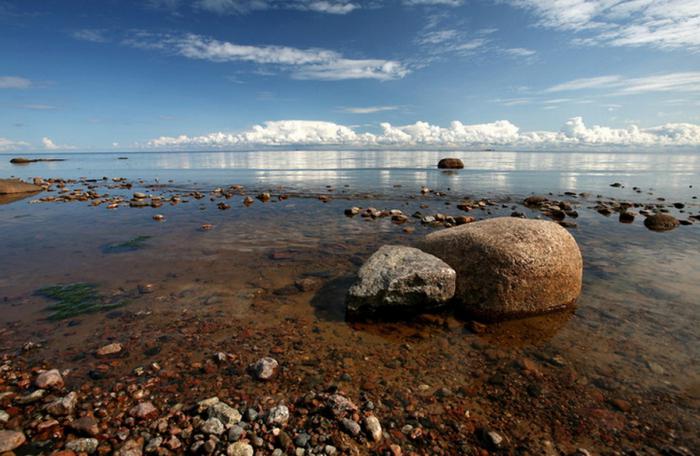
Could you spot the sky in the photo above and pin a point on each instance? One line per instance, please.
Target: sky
(94, 75)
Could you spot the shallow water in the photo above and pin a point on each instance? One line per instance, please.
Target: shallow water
(634, 334)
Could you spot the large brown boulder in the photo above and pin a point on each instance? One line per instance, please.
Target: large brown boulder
(510, 267)
(10, 186)
(661, 222)
(450, 163)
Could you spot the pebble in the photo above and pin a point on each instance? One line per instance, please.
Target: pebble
(9, 440)
(153, 444)
(83, 445)
(86, 425)
(130, 448)
(144, 410)
(212, 426)
(265, 368)
(278, 415)
(330, 450)
(655, 368)
(239, 449)
(159, 218)
(302, 439)
(350, 426)
(224, 413)
(235, 433)
(111, 349)
(373, 428)
(4, 416)
(49, 379)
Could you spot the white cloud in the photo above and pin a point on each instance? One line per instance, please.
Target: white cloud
(369, 109)
(520, 52)
(48, 144)
(246, 6)
(14, 82)
(8, 145)
(91, 35)
(433, 2)
(669, 82)
(665, 24)
(501, 133)
(312, 63)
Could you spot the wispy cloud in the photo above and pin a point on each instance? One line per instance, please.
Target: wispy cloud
(574, 133)
(14, 82)
(91, 35)
(520, 52)
(619, 85)
(368, 109)
(312, 63)
(246, 6)
(37, 107)
(433, 2)
(664, 24)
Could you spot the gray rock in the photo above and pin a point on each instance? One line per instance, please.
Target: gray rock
(224, 413)
(9, 440)
(350, 426)
(83, 445)
(450, 163)
(302, 439)
(509, 267)
(49, 379)
(235, 433)
(265, 368)
(4, 416)
(153, 444)
(63, 405)
(400, 279)
(212, 426)
(239, 449)
(278, 415)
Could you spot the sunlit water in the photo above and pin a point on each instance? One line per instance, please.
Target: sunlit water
(639, 310)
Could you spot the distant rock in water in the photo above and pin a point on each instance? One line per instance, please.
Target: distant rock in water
(24, 161)
(11, 186)
(510, 267)
(661, 222)
(450, 163)
(398, 280)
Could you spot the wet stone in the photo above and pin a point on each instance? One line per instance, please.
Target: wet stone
(9, 440)
(239, 449)
(278, 415)
(224, 413)
(49, 379)
(265, 368)
(109, 350)
(88, 445)
(212, 426)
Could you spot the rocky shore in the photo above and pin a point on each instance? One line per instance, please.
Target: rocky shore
(243, 353)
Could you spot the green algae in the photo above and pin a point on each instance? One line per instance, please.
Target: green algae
(136, 243)
(76, 299)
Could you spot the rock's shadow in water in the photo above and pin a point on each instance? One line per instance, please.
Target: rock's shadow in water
(14, 197)
(329, 305)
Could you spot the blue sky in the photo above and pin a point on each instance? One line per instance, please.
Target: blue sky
(113, 75)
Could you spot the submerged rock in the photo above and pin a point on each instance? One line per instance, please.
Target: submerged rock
(49, 379)
(10, 186)
(509, 267)
(403, 279)
(450, 163)
(9, 440)
(661, 222)
(264, 368)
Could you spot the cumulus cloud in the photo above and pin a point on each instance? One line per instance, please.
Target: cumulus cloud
(503, 133)
(433, 2)
(311, 63)
(669, 82)
(664, 24)
(7, 145)
(14, 82)
(48, 144)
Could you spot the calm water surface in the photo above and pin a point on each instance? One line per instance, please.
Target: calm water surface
(636, 330)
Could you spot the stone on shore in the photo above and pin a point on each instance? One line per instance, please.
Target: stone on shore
(239, 449)
(450, 163)
(109, 350)
(49, 379)
(11, 186)
(9, 440)
(403, 279)
(661, 222)
(264, 368)
(144, 410)
(88, 445)
(510, 267)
